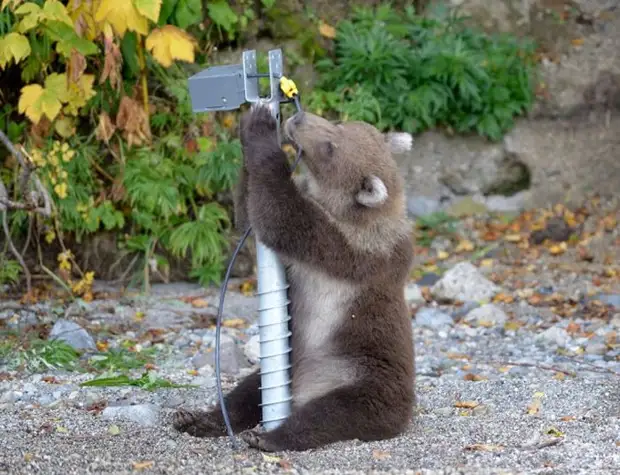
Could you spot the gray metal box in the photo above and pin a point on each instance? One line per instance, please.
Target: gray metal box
(219, 88)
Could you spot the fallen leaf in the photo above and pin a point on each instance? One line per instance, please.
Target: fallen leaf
(534, 406)
(554, 432)
(474, 377)
(192, 372)
(62, 430)
(114, 430)
(235, 323)
(248, 287)
(142, 465)
(465, 246)
(139, 316)
(270, 458)
(200, 303)
(577, 41)
(466, 404)
(484, 447)
(513, 237)
(568, 418)
(558, 249)
(103, 346)
(380, 454)
(442, 255)
(486, 263)
(50, 380)
(327, 31)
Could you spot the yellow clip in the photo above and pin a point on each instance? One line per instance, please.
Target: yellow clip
(288, 87)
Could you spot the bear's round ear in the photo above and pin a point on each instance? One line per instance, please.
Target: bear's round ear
(373, 193)
(328, 148)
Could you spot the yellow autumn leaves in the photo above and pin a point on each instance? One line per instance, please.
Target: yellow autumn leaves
(65, 93)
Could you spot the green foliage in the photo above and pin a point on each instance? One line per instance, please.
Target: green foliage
(433, 225)
(121, 359)
(148, 381)
(412, 73)
(40, 355)
(10, 271)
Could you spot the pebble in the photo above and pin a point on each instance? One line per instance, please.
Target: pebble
(143, 414)
(252, 349)
(489, 314)
(609, 299)
(232, 358)
(554, 335)
(432, 318)
(73, 335)
(413, 293)
(464, 282)
(596, 348)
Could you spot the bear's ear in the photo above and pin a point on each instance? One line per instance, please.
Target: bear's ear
(399, 142)
(373, 193)
(328, 148)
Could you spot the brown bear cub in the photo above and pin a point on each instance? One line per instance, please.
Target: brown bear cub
(342, 233)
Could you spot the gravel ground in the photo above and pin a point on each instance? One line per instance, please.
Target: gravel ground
(518, 370)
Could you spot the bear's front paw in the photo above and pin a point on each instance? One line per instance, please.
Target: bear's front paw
(260, 441)
(258, 124)
(197, 423)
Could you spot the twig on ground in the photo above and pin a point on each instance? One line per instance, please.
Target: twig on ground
(536, 365)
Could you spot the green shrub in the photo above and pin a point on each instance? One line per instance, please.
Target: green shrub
(412, 73)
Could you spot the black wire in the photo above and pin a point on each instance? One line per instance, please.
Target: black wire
(220, 310)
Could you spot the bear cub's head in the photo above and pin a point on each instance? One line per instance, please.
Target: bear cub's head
(352, 171)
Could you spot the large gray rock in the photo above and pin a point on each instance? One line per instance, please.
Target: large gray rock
(465, 283)
(143, 414)
(73, 335)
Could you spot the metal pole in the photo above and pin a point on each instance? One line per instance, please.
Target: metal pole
(226, 88)
(273, 319)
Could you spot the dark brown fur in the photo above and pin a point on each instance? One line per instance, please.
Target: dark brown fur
(345, 240)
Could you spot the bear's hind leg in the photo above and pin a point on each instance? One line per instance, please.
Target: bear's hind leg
(365, 411)
(243, 408)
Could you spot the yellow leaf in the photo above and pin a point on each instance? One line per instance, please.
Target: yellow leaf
(78, 94)
(114, 430)
(200, 303)
(56, 84)
(380, 454)
(466, 404)
(32, 14)
(577, 41)
(465, 246)
(143, 465)
(270, 458)
(486, 263)
(30, 102)
(169, 43)
(55, 11)
(512, 237)
(555, 432)
(122, 16)
(558, 249)
(13, 46)
(65, 127)
(235, 323)
(149, 8)
(5, 3)
(327, 31)
(442, 255)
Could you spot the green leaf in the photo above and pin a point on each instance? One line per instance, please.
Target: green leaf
(129, 48)
(222, 15)
(149, 8)
(68, 39)
(189, 12)
(167, 8)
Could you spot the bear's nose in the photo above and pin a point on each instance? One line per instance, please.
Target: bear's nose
(298, 118)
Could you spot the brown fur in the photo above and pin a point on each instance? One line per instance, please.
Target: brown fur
(347, 263)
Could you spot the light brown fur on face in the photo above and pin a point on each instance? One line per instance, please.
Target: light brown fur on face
(342, 233)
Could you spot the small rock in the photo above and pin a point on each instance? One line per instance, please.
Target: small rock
(419, 206)
(507, 204)
(200, 360)
(232, 358)
(413, 293)
(444, 411)
(143, 414)
(465, 283)
(554, 335)
(432, 318)
(609, 299)
(486, 315)
(252, 349)
(73, 335)
(596, 348)
(10, 397)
